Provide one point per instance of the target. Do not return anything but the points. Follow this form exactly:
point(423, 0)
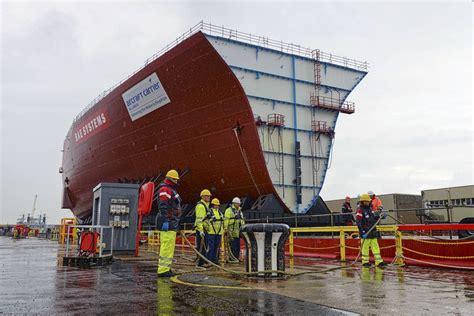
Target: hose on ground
point(240, 273)
point(202, 247)
point(227, 242)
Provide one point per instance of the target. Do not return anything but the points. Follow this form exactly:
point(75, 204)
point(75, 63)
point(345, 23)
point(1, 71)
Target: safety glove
point(364, 236)
point(166, 226)
point(201, 233)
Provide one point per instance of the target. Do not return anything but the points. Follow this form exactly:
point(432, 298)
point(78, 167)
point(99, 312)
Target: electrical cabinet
point(116, 204)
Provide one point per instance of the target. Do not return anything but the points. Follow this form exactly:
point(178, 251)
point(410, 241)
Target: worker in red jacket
point(169, 212)
point(347, 211)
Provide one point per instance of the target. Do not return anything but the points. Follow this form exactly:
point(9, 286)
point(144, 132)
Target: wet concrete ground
point(32, 282)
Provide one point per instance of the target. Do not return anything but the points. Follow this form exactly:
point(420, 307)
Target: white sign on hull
point(145, 97)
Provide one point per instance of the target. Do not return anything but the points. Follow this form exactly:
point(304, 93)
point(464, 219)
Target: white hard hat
point(236, 200)
point(370, 193)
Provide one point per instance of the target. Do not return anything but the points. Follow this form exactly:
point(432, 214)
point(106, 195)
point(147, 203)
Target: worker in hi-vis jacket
point(234, 220)
point(202, 211)
point(215, 230)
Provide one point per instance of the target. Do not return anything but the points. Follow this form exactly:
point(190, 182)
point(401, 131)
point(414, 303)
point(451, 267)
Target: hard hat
point(206, 192)
point(364, 198)
point(215, 202)
point(236, 200)
point(173, 174)
point(370, 193)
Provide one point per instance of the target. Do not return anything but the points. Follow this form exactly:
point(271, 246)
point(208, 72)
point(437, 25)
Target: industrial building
point(460, 198)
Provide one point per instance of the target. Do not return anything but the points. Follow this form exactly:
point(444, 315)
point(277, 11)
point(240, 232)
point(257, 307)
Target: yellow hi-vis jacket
point(202, 208)
point(231, 224)
point(215, 225)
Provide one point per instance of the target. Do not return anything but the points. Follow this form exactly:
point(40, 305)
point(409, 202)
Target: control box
point(116, 204)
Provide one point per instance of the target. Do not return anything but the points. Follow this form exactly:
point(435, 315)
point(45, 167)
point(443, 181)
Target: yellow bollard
point(64, 230)
point(342, 242)
point(398, 248)
point(291, 244)
point(222, 251)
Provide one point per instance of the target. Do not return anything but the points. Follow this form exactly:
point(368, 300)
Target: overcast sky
point(413, 125)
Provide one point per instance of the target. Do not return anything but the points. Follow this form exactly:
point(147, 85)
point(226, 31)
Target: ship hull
point(207, 128)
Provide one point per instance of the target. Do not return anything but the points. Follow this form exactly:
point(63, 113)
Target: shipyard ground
point(32, 281)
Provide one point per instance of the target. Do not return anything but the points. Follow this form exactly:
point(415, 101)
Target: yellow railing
point(154, 239)
point(55, 234)
point(64, 230)
point(342, 230)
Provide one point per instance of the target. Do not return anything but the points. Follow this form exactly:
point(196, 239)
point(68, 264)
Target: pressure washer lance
point(277, 271)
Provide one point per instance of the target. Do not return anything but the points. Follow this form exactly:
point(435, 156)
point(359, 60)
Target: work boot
point(367, 265)
point(167, 274)
point(203, 265)
point(382, 264)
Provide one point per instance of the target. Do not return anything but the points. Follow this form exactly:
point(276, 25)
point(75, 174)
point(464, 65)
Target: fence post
point(74, 231)
point(222, 252)
point(332, 224)
point(291, 244)
point(342, 242)
point(398, 248)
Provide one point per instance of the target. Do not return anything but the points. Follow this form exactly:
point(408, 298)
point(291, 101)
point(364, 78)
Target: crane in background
point(34, 206)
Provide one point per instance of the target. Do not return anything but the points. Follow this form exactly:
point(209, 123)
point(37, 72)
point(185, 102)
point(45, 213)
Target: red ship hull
point(195, 130)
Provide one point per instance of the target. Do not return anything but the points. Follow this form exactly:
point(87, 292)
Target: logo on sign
point(145, 97)
point(92, 125)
